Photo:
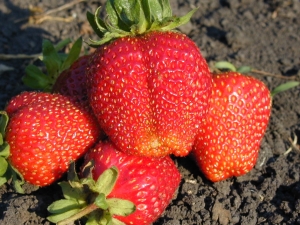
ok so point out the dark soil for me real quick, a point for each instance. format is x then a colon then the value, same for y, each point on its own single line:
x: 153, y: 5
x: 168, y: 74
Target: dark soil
x: 262, y: 34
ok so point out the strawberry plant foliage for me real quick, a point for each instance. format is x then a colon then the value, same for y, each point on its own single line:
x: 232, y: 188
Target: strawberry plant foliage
x: 116, y: 188
x: 55, y: 62
x: 134, y: 17
x: 85, y: 196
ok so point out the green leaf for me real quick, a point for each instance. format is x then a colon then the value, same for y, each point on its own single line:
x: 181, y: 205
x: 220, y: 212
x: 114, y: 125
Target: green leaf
x: 51, y: 59
x: 73, y: 55
x: 147, y: 12
x: 166, y: 8
x: 156, y: 11
x: 224, y: 65
x: 72, y: 193
x: 3, y: 123
x: 3, y: 180
x: 72, y: 174
x: 100, y: 201
x: 117, y: 222
x: 133, y: 17
x: 92, y: 21
x: 4, y: 150
x: 244, y: 69
x: 95, y: 218
x: 36, y: 79
x: 17, y: 184
x: 107, y: 181
x: 106, y: 218
x: 88, y: 181
x: 17, y: 179
x: 120, y: 207
x: 173, y: 22
x: 8, y: 172
x: 58, y: 217
x: 60, y: 45
x: 3, y: 166
x: 63, y: 205
x: 284, y: 87
x: 91, y: 221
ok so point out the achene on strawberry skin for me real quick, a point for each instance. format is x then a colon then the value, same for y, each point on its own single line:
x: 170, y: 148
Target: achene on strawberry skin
x: 229, y: 139
x: 45, y: 133
x: 117, y: 188
x: 150, y: 183
x: 149, y: 88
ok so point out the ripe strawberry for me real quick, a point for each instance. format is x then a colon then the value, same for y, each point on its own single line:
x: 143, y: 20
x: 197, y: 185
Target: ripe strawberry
x: 136, y: 191
x: 149, y: 90
x: 72, y: 82
x: 24, y: 99
x: 149, y: 183
x: 45, y: 133
x: 229, y: 139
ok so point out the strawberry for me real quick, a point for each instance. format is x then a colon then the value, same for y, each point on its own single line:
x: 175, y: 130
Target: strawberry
x: 45, y: 133
x: 149, y: 88
x: 148, y: 183
x: 229, y: 139
x: 23, y: 100
x: 71, y: 82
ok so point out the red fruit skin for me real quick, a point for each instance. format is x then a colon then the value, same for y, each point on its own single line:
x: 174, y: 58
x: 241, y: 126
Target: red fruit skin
x: 72, y: 82
x: 47, y: 134
x: 149, y: 183
x: 229, y: 139
x: 150, y: 92
x: 23, y: 100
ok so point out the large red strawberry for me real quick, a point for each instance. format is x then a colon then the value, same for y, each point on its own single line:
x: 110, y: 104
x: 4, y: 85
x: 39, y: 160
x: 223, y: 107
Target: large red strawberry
x: 148, y: 85
x: 229, y: 139
x: 45, y: 133
x: 148, y: 183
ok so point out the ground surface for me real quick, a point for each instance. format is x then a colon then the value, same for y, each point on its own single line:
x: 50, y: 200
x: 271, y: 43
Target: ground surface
x: 262, y: 34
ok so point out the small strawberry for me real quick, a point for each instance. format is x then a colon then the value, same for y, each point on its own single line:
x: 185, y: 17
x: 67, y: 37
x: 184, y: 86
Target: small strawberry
x: 148, y: 183
x: 72, y: 82
x: 229, y: 139
x: 45, y: 133
x: 148, y: 86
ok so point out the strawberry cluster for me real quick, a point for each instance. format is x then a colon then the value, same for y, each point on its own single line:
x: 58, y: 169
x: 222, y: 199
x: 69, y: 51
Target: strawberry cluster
x: 145, y: 93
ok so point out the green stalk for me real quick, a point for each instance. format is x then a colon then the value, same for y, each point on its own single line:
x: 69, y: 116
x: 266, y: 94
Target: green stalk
x: 85, y: 211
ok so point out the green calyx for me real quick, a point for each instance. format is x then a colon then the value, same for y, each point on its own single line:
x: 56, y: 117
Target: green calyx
x: 88, y: 198
x: 7, y: 172
x: 134, y: 17
x: 55, y: 63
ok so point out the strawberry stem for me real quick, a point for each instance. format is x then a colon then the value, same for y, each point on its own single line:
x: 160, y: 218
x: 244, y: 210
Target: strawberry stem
x: 85, y: 211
